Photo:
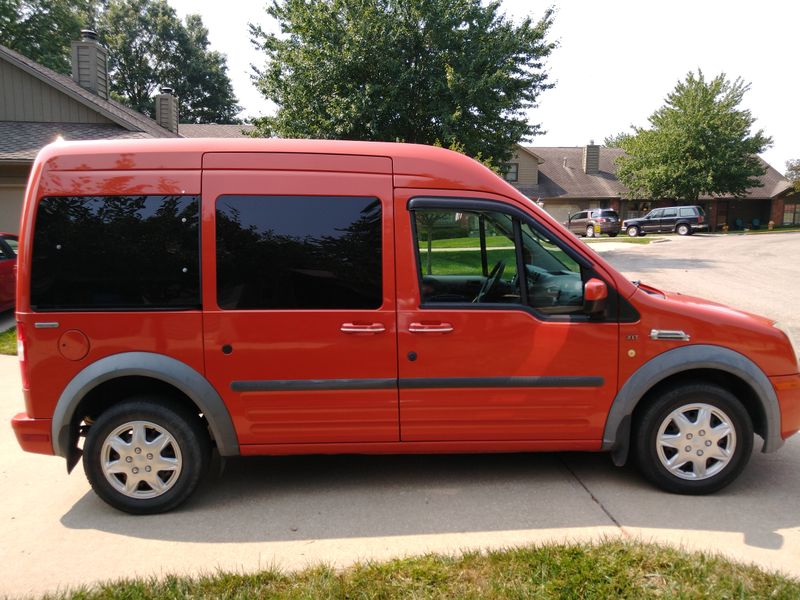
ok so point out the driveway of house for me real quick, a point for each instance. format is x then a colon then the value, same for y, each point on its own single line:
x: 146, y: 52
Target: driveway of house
x: 298, y: 511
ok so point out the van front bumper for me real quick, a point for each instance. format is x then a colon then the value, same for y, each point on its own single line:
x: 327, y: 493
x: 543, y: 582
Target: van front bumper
x: 33, y: 435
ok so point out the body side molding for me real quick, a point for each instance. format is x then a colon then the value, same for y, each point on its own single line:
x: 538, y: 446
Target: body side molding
x: 155, y: 366
x: 616, y: 435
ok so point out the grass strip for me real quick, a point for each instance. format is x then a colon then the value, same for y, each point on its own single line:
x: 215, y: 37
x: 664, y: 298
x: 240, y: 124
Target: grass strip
x: 8, y: 342
x: 620, y: 240
x: 612, y: 569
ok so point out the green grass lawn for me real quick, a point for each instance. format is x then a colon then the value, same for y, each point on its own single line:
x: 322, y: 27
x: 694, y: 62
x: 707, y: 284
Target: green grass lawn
x: 614, y: 569
x: 8, y: 342
x: 492, y: 241
x: 765, y: 230
x: 467, y: 262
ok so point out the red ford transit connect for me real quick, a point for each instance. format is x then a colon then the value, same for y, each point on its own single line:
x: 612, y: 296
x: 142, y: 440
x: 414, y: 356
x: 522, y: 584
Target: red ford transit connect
x: 300, y: 297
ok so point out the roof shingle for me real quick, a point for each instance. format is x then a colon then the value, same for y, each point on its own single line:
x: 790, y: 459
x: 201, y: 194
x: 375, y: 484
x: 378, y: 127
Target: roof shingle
x: 20, y: 141
x: 213, y: 130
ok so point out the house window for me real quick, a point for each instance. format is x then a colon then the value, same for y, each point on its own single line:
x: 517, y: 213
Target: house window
x: 512, y: 171
x: 791, y: 214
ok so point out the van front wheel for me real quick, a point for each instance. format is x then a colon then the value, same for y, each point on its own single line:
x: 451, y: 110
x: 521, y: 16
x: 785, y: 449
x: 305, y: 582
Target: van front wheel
x: 695, y: 439
x: 143, y: 456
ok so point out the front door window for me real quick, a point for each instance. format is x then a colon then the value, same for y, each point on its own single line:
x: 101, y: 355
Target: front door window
x: 476, y: 257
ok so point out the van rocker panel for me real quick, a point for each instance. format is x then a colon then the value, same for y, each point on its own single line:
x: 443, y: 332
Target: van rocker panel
x: 155, y: 366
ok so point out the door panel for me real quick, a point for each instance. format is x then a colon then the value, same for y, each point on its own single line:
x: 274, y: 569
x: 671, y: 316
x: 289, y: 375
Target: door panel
x: 496, y: 373
x: 669, y: 219
x: 298, y: 375
x: 653, y: 224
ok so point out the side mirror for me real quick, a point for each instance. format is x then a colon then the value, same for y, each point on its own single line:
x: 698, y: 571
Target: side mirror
x: 595, y: 294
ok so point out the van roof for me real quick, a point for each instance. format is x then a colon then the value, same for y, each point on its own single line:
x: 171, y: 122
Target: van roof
x: 413, y: 165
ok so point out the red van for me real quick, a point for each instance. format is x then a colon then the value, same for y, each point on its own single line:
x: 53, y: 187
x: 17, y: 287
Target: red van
x: 307, y: 297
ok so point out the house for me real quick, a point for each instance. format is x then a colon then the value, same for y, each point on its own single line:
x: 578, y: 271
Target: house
x: 38, y: 105
x: 568, y: 179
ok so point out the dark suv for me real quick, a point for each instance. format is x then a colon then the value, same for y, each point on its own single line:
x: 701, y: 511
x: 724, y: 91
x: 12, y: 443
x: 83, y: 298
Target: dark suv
x: 683, y: 220
x: 594, y: 222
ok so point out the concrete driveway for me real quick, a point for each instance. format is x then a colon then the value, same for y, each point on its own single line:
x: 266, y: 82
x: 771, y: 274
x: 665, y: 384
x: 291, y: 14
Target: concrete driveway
x: 293, y: 512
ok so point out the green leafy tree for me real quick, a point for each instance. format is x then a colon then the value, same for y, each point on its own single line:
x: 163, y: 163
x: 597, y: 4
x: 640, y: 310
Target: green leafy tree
x: 793, y: 172
x: 615, y: 141
x: 201, y: 78
x: 699, y: 142
x: 457, y: 71
x: 43, y: 30
x: 150, y: 47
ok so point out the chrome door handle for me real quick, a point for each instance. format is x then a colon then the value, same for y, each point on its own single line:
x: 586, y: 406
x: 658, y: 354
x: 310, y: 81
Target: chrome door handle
x: 430, y: 328
x: 362, y: 328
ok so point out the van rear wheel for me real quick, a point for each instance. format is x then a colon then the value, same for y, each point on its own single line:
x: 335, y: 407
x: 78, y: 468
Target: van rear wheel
x: 144, y: 456
x: 695, y: 439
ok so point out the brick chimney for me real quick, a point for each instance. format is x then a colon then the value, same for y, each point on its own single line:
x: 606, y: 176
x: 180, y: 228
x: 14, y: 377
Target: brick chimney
x: 90, y: 64
x: 167, y: 109
x: 591, y: 159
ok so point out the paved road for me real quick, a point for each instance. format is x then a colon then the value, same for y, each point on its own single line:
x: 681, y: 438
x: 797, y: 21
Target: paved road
x: 293, y: 512
x: 758, y: 273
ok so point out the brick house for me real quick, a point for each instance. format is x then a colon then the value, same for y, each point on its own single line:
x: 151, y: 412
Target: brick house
x: 569, y: 179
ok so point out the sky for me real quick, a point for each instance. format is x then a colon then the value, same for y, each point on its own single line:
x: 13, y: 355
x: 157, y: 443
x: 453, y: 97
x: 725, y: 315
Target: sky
x: 615, y: 63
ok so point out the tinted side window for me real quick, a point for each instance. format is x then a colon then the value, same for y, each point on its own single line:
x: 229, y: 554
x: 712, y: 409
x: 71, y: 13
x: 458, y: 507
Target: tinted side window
x: 670, y: 212
x: 687, y: 212
x: 116, y: 252
x: 299, y: 252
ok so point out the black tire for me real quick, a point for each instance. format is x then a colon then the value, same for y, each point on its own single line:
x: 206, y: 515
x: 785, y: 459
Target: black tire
x: 612, y: 235
x: 590, y: 231
x: 189, y: 447
x: 721, y: 472
x: 683, y: 229
x: 633, y: 231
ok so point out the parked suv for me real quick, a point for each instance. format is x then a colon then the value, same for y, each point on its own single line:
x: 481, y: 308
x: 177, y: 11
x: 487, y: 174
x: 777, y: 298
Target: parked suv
x: 594, y: 222
x: 178, y: 297
x: 683, y: 220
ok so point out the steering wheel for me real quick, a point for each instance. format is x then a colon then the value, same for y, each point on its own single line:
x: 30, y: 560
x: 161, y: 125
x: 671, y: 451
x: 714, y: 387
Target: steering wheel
x: 491, y: 280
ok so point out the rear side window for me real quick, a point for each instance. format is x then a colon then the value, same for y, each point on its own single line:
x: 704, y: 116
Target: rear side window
x: 116, y: 253
x: 687, y: 212
x: 299, y: 252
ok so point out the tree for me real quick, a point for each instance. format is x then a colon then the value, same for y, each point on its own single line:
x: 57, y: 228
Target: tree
x: 408, y: 70
x: 201, y: 78
x: 793, y: 172
x: 43, y: 30
x: 615, y: 141
x: 150, y: 47
x: 698, y: 143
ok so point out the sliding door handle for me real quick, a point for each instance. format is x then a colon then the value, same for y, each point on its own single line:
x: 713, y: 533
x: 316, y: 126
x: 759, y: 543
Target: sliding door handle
x: 430, y: 328
x: 362, y: 328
